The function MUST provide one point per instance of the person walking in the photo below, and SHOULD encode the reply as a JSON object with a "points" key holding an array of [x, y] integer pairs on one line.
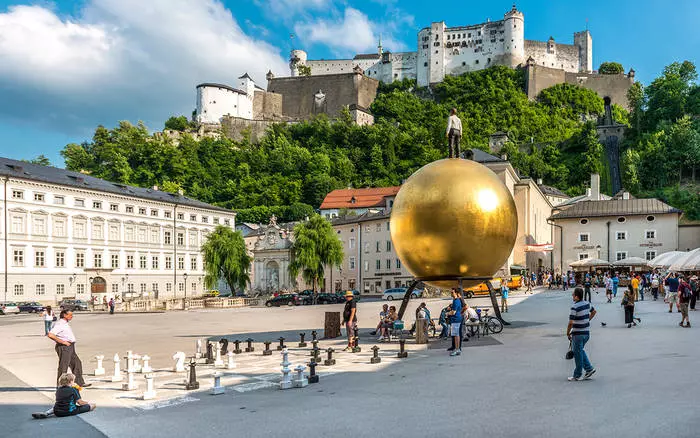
{"points": [[578, 332], [455, 323], [49, 318], [454, 133], [62, 335], [685, 293], [628, 304], [111, 306], [350, 318]]}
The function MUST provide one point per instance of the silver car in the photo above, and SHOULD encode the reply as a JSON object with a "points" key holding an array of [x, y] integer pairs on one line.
{"points": [[8, 307]]}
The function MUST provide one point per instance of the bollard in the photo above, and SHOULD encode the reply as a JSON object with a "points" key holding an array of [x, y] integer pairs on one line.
{"points": [[281, 346], [375, 357], [237, 347], [99, 371], [150, 392], [224, 346], [267, 351], [249, 348], [330, 361], [210, 353], [356, 341], [192, 383], [117, 377], [217, 388], [402, 352], [302, 344], [313, 377], [313, 336]]}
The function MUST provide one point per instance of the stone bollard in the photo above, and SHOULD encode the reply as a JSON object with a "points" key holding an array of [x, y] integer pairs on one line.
{"points": [[217, 388], [218, 361], [286, 382], [192, 383], [99, 370], [281, 346], [146, 368], [300, 380], [198, 353], [249, 348], [237, 347], [402, 352], [224, 346], [179, 359], [302, 344], [356, 340], [313, 377], [375, 357], [231, 364], [330, 361], [314, 334], [267, 351], [117, 377], [150, 392], [210, 353]]}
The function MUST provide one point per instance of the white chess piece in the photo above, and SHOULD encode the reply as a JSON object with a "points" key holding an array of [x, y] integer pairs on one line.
{"points": [[146, 368], [150, 391], [286, 382], [300, 379], [99, 371], [231, 364], [117, 377], [179, 359], [217, 388]]}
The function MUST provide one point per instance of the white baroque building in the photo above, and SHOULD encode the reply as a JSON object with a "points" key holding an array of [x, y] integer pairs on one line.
{"points": [[443, 50], [70, 235]]}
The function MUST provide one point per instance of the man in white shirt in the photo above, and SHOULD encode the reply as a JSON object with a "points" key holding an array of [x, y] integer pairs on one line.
{"points": [[63, 336], [454, 133]]}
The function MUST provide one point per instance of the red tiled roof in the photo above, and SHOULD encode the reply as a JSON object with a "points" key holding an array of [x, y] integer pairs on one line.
{"points": [[363, 198]]}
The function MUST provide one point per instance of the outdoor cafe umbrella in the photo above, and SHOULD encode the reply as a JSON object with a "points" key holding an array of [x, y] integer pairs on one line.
{"points": [[665, 260], [631, 261], [588, 263], [686, 261]]}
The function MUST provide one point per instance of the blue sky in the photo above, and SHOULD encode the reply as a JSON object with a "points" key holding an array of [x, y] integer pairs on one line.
{"points": [[67, 66]]}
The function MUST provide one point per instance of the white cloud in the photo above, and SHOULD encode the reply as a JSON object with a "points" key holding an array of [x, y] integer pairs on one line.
{"points": [[352, 33], [121, 59]]}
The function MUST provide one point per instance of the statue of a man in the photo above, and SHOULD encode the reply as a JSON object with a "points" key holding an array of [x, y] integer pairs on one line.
{"points": [[454, 133]]}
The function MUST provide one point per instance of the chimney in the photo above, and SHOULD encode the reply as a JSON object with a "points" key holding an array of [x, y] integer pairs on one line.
{"points": [[539, 181], [625, 195], [595, 187]]}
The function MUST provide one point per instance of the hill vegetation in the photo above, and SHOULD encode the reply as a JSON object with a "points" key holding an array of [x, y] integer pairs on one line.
{"points": [[294, 166]]}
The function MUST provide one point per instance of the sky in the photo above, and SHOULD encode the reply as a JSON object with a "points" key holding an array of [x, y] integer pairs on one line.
{"points": [[68, 66]]}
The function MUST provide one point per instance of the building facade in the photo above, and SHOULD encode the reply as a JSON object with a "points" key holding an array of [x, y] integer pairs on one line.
{"points": [[69, 235]]}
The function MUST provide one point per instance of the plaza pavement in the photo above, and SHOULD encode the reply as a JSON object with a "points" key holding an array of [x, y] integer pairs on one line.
{"points": [[514, 386]]}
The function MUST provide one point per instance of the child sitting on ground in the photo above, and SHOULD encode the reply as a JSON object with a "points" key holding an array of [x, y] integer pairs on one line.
{"points": [[68, 401]]}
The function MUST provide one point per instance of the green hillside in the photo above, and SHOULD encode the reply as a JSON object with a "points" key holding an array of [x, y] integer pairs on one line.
{"points": [[294, 166]]}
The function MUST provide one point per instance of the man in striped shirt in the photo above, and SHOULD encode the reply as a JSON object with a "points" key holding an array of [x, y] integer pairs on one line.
{"points": [[578, 333]]}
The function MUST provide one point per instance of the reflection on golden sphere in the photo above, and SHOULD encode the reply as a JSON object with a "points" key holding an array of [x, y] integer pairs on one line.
{"points": [[453, 217]]}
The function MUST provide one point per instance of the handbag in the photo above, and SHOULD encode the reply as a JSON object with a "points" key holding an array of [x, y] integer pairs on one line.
{"points": [[569, 354]]}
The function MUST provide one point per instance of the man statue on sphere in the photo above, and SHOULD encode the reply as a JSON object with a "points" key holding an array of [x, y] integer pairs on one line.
{"points": [[454, 133]]}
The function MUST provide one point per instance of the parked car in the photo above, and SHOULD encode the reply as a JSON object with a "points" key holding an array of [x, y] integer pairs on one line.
{"points": [[8, 307], [73, 305], [31, 307], [288, 299], [340, 296], [397, 293]]}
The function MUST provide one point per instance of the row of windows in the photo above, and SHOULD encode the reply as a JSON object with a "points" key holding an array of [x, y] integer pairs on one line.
{"points": [[60, 289], [619, 235], [98, 205], [18, 260], [620, 255]]}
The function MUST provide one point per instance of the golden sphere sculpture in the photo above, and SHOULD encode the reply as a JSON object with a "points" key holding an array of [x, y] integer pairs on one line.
{"points": [[453, 217]]}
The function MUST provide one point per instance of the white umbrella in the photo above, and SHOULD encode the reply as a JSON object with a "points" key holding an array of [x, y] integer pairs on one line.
{"points": [[588, 263], [631, 261], [686, 261], [665, 260]]}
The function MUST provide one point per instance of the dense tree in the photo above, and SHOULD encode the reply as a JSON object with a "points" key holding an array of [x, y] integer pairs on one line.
{"points": [[610, 68], [225, 257], [316, 245]]}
